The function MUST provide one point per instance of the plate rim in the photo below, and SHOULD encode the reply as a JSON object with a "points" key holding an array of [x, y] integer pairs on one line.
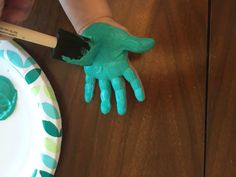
{"points": [[51, 124]]}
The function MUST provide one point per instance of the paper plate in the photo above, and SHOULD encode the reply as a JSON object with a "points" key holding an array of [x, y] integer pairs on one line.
{"points": [[30, 139]]}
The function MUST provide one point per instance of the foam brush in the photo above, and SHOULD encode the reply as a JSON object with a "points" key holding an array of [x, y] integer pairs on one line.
{"points": [[64, 44]]}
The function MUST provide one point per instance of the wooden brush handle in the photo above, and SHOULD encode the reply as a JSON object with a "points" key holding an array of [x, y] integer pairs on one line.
{"points": [[25, 34]]}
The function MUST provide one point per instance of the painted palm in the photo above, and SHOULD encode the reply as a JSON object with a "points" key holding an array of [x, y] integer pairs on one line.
{"points": [[107, 62]]}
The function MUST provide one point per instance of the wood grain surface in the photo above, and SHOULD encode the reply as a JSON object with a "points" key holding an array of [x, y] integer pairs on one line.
{"points": [[221, 151], [162, 137]]}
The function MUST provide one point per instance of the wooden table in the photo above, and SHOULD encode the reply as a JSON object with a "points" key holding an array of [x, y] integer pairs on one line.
{"points": [[187, 125]]}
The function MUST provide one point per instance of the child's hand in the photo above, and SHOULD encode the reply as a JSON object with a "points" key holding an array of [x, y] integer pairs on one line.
{"points": [[108, 57], [15, 11]]}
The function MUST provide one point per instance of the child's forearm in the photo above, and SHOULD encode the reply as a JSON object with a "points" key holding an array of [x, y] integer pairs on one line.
{"points": [[83, 12]]}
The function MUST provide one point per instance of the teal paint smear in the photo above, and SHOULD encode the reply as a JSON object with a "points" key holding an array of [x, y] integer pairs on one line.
{"points": [[8, 98]]}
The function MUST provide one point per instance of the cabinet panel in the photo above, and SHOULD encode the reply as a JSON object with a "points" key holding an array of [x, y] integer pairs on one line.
{"points": [[221, 152]]}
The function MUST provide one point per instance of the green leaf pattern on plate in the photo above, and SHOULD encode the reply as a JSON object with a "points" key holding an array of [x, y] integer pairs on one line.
{"points": [[40, 87], [51, 129], [17, 60], [33, 75], [1, 54], [49, 161], [50, 110], [51, 145], [29, 62], [35, 90], [49, 92], [45, 174], [34, 173]]}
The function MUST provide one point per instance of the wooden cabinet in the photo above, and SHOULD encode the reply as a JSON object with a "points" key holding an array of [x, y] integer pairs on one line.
{"points": [[187, 125], [221, 131]]}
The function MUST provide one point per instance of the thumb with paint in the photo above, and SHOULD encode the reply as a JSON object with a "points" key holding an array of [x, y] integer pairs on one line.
{"points": [[110, 43]]}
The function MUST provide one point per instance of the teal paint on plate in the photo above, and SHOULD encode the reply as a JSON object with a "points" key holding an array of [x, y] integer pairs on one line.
{"points": [[8, 98]]}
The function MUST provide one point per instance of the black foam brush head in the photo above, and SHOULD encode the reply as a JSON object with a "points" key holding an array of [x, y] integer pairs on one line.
{"points": [[70, 45]]}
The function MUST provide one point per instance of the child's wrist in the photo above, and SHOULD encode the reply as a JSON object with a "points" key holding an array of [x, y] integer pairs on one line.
{"points": [[102, 19], [80, 28]]}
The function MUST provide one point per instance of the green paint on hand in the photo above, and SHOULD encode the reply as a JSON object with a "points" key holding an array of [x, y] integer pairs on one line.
{"points": [[110, 64], [8, 98]]}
